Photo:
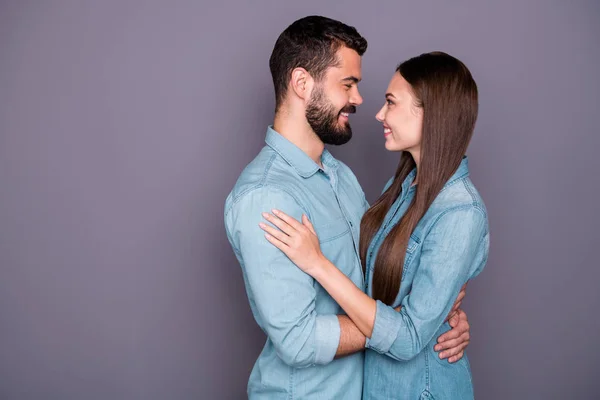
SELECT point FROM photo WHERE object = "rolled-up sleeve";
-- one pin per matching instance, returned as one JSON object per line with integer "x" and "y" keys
{"x": 448, "y": 259}
{"x": 283, "y": 295}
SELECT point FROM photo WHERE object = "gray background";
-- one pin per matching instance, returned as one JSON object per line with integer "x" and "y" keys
{"x": 123, "y": 126}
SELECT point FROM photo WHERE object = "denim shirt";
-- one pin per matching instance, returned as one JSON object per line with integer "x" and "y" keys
{"x": 296, "y": 313}
{"x": 448, "y": 247}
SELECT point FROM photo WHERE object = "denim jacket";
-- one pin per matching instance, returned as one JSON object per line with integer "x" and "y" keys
{"x": 448, "y": 247}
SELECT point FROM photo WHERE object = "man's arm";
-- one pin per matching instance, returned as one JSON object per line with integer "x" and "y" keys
{"x": 451, "y": 344}
{"x": 328, "y": 277}
{"x": 283, "y": 296}
{"x": 351, "y": 338}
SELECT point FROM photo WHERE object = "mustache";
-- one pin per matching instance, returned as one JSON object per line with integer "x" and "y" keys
{"x": 350, "y": 109}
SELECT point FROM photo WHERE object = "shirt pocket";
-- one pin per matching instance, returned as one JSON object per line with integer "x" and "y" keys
{"x": 411, "y": 251}
{"x": 332, "y": 230}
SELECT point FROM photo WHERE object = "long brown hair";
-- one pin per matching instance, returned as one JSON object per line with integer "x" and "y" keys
{"x": 444, "y": 88}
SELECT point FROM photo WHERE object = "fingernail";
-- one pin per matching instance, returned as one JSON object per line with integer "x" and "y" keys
{"x": 441, "y": 355}
{"x": 437, "y": 348}
{"x": 261, "y": 225}
{"x": 275, "y": 212}
{"x": 266, "y": 215}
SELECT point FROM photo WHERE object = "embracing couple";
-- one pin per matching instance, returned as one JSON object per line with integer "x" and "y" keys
{"x": 358, "y": 300}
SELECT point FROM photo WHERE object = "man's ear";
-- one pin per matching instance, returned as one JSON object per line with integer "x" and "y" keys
{"x": 301, "y": 83}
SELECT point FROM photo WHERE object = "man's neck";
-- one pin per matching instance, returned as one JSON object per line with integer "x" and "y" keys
{"x": 301, "y": 134}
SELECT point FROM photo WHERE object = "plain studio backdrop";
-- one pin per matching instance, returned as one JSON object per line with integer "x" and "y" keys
{"x": 124, "y": 125}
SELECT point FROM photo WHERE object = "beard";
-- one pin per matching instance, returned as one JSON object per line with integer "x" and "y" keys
{"x": 323, "y": 119}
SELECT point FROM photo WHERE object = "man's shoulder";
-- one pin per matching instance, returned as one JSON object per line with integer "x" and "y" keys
{"x": 268, "y": 174}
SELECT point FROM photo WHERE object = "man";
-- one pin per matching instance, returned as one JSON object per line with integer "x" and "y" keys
{"x": 313, "y": 350}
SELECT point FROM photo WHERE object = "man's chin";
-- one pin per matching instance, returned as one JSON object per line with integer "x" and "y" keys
{"x": 338, "y": 139}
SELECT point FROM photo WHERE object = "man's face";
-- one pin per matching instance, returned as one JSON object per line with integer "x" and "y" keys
{"x": 334, "y": 98}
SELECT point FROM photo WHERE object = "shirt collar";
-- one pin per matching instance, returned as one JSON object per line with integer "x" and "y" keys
{"x": 461, "y": 172}
{"x": 294, "y": 156}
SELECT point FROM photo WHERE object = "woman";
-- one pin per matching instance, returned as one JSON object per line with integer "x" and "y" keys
{"x": 424, "y": 238}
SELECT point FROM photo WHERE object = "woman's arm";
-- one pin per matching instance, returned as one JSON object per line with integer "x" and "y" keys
{"x": 300, "y": 243}
{"x": 452, "y": 251}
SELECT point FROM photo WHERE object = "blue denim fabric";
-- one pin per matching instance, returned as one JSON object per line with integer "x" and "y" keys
{"x": 448, "y": 247}
{"x": 296, "y": 313}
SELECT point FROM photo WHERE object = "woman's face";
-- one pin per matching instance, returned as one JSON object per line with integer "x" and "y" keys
{"x": 402, "y": 118}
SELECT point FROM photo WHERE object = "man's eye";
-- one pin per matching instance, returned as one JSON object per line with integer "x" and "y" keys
{"x": 349, "y": 86}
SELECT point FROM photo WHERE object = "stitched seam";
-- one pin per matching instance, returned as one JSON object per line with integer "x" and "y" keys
{"x": 450, "y": 184}
{"x": 336, "y": 237}
{"x": 280, "y": 152}
{"x": 291, "y": 387}
{"x": 458, "y": 208}
{"x": 273, "y": 187}
{"x": 455, "y": 181}
{"x": 262, "y": 184}
{"x": 464, "y": 366}
{"x": 427, "y": 371}
{"x": 258, "y": 185}
{"x": 470, "y": 190}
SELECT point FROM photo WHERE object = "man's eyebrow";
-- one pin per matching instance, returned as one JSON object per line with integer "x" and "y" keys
{"x": 352, "y": 79}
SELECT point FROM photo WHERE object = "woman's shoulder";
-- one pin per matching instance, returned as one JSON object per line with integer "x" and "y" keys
{"x": 460, "y": 195}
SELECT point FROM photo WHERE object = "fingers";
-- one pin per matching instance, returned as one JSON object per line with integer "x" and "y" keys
{"x": 456, "y": 307}
{"x": 308, "y": 224}
{"x": 452, "y": 318}
{"x": 452, "y": 343}
{"x": 276, "y": 233}
{"x": 281, "y": 224}
{"x": 289, "y": 220}
{"x": 277, "y": 243}
{"x": 460, "y": 326}
{"x": 461, "y": 296}
{"x": 457, "y": 318}
{"x": 454, "y": 352}
{"x": 457, "y": 357}
{"x": 462, "y": 317}
{"x": 458, "y": 302}
{"x": 450, "y": 335}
